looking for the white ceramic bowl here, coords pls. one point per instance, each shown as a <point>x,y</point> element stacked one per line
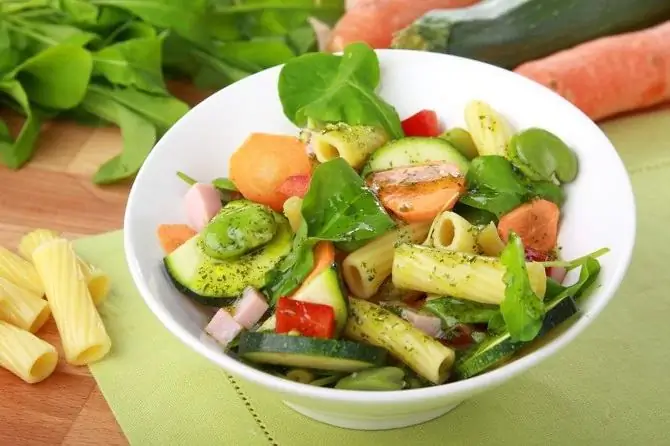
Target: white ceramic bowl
<point>600,211</point>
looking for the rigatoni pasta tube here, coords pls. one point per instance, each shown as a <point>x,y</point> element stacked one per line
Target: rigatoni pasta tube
<point>489,241</point>
<point>365,269</point>
<point>292,211</point>
<point>490,131</point>
<point>19,271</point>
<point>21,307</point>
<point>97,281</point>
<point>352,143</point>
<point>82,332</point>
<point>375,325</point>
<point>451,273</point>
<point>452,232</point>
<point>25,355</point>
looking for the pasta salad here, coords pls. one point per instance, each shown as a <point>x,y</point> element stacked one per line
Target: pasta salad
<point>366,252</point>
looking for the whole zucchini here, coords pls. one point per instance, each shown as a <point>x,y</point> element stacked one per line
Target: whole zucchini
<point>508,33</point>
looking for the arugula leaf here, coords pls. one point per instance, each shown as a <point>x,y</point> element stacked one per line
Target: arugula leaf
<point>256,54</point>
<point>51,82</point>
<point>133,63</point>
<point>453,311</point>
<point>81,11</point>
<point>328,88</point>
<point>162,111</point>
<point>337,207</point>
<point>521,308</point>
<point>587,275</point>
<point>44,34</point>
<point>139,137</point>
<point>16,155</point>
<point>574,263</point>
<point>494,186</point>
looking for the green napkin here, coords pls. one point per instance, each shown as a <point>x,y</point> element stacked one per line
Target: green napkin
<point>610,387</point>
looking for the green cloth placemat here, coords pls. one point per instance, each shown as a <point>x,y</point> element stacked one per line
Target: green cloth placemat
<point>610,387</point>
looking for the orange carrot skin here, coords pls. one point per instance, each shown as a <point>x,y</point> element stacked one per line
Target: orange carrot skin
<point>172,236</point>
<point>610,75</point>
<point>375,21</point>
<point>536,222</point>
<point>263,162</point>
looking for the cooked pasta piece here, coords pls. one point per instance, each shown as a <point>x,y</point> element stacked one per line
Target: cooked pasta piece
<point>451,273</point>
<point>82,332</point>
<point>489,241</point>
<point>365,269</point>
<point>22,308</point>
<point>353,143</point>
<point>452,232</point>
<point>490,131</point>
<point>292,208</point>
<point>25,355</point>
<point>19,271</point>
<point>98,282</point>
<point>373,324</point>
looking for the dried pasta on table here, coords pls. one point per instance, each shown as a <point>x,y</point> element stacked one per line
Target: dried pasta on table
<point>25,355</point>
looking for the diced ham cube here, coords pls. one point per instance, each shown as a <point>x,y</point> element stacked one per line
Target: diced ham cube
<point>431,325</point>
<point>202,203</point>
<point>250,308</point>
<point>223,327</point>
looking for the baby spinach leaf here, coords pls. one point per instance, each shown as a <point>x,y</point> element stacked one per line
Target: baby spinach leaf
<point>132,63</point>
<point>521,308</point>
<point>328,88</point>
<point>337,207</point>
<point>139,137</point>
<point>17,154</point>
<point>50,81</point>
<point>453,311</point>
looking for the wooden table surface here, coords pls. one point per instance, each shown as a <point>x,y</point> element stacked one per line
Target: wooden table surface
<point>55,191</point>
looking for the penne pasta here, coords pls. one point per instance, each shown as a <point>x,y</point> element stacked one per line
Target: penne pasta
<point>292,208</point>
<point>25,355</point>
<point>21,307</point>
<point>489,130</point>
<point>489,241</point>
<point>82,332</point>
<point>352,143</point>
<point>452,232</point>
<point>97,281</point>
<point>463,276</point>
<point>365,269</point>
<point>19,271</point>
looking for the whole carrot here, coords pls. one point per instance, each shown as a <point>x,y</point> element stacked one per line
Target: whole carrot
<point>375,21</point>
<point>610,75</point>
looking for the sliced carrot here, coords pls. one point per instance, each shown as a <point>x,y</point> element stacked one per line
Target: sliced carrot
<point>536,222</point>
<point>324,256</point>
<point>610,75</point>
<point>388,16</point>
<point>263,162</point>
<point>172,236</point>
<point>418,193</point>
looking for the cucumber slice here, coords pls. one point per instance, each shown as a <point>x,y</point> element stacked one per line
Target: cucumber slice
<point>311,353</point>
<point>414,151</point>
<point>211,282</point>
<point>498,349</point>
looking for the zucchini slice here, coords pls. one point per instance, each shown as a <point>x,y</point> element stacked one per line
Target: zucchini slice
<point>311,353</point>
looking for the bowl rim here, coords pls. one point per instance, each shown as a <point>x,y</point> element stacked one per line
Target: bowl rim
<point>467,386</point>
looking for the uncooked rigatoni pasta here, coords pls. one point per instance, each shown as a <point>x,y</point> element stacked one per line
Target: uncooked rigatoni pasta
<point>22,307</point>
<point>26,355</point>
<point>19,271</point>
<point>81,329</point>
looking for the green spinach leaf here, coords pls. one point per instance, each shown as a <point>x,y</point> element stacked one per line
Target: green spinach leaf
<point>521,308</point>
<point>133,63</point>
<point>453,311</point>
<point>337,207</point>
<point>18,153</point>
<point>328,88</point>
<point>139,137</point>
<point>52,82</point>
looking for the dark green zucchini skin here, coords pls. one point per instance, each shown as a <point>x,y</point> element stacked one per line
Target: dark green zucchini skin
<point>520,31</point>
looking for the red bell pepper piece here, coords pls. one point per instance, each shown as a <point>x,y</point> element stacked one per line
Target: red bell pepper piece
<point>310,319</point>
<point>423,123</point>
<point>295,186</point>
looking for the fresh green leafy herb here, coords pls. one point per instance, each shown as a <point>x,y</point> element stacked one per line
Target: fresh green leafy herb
<point>521,308</point>
<point>328,88</point>
<point>587,276</point>
<point>224,184</point>
<point>453,311</point>
<point>494,186</point>
<point>338,207</point>
<point>571,264</point>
